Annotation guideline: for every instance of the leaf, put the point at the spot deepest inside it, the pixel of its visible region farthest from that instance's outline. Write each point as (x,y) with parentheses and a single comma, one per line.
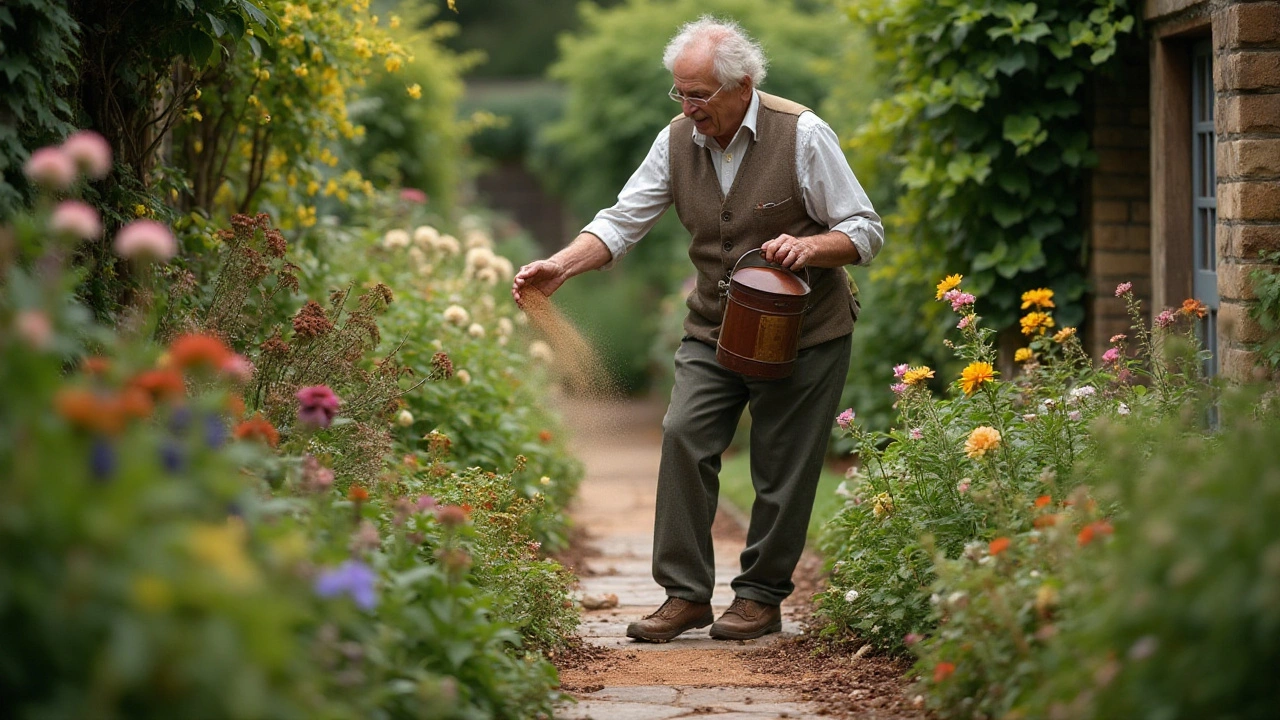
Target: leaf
(215,22)
(1007,215)
(989,259)
(200,47)
(1021,130)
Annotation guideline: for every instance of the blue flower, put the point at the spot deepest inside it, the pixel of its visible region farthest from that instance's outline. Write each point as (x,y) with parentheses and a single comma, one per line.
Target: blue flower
(171,457)
(215,433)
(180,420)
(352,578)
(102,459)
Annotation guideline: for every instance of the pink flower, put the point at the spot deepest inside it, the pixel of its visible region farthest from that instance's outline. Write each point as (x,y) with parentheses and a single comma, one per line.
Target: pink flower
(916,433)
(900,370)
(76,219)
(962,486)
(964,322)
(317,405)
(960,299)
(146,240)
(90,152)
(1074,416)
(238,368)
(1118,337)
(898,388)
(1110,356)
(50,167)
(1124,287)
(845,419)
(1165,318)
(912,638)
(34,327)
(413,195)
(425,502)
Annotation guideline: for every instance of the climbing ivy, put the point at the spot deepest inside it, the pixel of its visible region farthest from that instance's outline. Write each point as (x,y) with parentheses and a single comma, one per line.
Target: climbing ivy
(985,115)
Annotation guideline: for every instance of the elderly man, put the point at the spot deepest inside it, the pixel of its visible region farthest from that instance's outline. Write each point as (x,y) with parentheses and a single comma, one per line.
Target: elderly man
(745,170)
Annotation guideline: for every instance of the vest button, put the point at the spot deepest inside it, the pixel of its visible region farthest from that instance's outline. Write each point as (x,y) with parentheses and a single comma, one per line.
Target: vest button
(726,216)
(728,245)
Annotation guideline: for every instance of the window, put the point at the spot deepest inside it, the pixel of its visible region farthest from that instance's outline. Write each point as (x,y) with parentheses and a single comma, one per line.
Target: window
(1204,200)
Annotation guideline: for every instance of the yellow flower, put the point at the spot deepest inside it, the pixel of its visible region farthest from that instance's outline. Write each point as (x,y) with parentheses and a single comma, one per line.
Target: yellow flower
(1036,323)
(948,283)
(975,375)
(393,22)
(300,70)
(140,210)
(151,593)
(393,64)
(415,91)
(882,504)
(263,74)
(917,375)
(1023,355)
(194,114)
(982,440)
(221,547)
(1064,334)
(1040,297)
(313,187)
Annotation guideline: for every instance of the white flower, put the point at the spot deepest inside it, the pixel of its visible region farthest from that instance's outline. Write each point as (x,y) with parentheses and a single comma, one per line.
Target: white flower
(1074,416)
(404,419)
(395,239)
(417,256)
(504,268)
(851,596)
(476,330)
(1123,409)
(1029,417)
(457,315)
(1049,403)
(463,376)
(539,350)
(448,245)
(425,236)
(488,276)
(1083,391)
(475,239)
(544,480)
(505,326)
(478,258)
(843,489)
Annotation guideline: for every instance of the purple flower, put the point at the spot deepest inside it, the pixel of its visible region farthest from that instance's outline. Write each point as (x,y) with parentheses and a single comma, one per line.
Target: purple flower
(317,405)
(1165,318)
(171,457)
(215,433)
(845,419)
(352,578)
(900,370)
(102,459)
(1123,288)
(425,502)
(1110,356)
(1074,416)
(898,388)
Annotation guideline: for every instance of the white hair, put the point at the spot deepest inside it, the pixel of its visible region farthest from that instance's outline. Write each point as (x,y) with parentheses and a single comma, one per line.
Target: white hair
(736,55)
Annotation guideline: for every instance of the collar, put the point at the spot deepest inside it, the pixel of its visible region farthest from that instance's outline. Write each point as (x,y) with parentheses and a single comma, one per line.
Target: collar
(748,123)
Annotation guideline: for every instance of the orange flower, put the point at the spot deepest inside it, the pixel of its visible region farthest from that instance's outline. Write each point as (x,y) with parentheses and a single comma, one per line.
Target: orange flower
(136,402)
(1092,530)
(160,384)
(1035,323)
(189,351)
(90,411)
(942,671)
(1043,500)
(235,406)
(357,493)
(917,375)
(999,545)
(1191,306)
(975,375)
(1044,521)
(950,282)
(1041,298)
(95,365)
(257,428)
(545,436)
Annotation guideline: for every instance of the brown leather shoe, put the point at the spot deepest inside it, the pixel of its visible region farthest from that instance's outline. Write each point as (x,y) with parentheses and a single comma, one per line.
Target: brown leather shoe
(674,617)
(747,619)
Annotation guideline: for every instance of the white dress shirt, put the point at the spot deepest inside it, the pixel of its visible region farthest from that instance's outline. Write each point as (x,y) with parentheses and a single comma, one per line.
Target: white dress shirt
(832,195)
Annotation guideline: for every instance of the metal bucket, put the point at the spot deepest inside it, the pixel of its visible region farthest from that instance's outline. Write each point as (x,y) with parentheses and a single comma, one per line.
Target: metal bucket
(764,311)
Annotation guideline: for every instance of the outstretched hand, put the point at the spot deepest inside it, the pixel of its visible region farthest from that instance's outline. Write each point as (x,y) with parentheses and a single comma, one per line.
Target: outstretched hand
(544,276)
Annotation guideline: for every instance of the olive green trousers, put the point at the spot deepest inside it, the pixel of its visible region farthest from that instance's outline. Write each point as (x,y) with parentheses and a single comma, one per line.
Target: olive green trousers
(791,422)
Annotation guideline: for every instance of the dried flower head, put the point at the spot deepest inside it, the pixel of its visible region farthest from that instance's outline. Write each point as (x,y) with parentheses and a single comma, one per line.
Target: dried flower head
(442,364)
(311,321)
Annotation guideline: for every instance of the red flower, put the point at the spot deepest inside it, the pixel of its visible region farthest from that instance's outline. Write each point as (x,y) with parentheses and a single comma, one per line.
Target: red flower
(257,428)
(942,671)
(545,436)
(160,384)
(358,493)
(95,365)
(1092,530)
(999,545)
(86,409)
(1043,500)
(1045,521)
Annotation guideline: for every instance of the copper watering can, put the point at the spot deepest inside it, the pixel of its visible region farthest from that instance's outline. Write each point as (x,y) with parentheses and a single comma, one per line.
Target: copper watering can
(765,308)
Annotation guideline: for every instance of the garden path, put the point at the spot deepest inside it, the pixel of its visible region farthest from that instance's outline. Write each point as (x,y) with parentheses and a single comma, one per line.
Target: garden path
(693,675)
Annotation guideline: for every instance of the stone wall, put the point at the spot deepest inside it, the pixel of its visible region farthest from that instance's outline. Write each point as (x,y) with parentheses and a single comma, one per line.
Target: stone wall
(1247,82)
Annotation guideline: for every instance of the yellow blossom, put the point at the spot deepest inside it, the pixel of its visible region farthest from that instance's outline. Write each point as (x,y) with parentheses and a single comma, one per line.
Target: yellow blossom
(331,187)
(1036,323)
(982,440)
(221,547)
(313,187)
(1023,355)
(917,375)
(316,54)
(198,146)
(252,100)
(140,210)
(393,64)
(263,74)
(306,215)
(948,283)
(151,593)
(415,91)
(975,375)
(1040,297)
(300,70)
(882,504)
(362,48)
(194,114)
(393,22)
(1064,334)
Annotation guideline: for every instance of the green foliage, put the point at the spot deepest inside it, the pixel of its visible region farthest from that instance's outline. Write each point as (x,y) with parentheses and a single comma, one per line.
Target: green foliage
(519,111)
(985,121)
(518,38)
(38,52)
(1266,286)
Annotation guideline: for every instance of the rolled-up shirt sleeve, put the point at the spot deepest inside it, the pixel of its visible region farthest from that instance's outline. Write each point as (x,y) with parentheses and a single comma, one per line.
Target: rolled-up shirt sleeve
(832,194)
(643,200)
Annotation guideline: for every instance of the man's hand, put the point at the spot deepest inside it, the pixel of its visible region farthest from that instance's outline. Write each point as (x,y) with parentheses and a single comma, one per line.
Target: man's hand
(545,276)
(790,252)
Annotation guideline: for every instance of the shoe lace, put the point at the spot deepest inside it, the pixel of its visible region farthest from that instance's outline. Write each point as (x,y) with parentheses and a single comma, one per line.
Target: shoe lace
(672,606)
(741,607)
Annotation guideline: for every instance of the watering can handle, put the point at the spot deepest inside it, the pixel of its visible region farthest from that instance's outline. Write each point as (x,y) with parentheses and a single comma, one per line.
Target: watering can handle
(764,263)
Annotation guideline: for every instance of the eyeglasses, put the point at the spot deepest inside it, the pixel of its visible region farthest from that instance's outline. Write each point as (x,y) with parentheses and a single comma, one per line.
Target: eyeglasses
(697,102)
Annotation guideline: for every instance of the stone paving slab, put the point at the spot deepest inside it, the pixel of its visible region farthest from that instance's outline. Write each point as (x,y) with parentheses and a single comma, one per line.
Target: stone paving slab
(660,702)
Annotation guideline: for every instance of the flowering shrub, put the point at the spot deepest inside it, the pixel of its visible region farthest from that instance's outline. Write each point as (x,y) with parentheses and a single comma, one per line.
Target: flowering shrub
(962,470)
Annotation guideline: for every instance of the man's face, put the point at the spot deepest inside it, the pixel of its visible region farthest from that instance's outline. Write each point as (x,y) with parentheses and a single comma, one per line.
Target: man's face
(721,117)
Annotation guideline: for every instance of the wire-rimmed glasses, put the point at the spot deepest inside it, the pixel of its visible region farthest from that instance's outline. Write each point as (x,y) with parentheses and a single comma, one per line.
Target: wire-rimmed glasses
(697,102)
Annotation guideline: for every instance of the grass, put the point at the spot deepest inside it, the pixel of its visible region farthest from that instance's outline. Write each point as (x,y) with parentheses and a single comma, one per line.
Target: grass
(735,487)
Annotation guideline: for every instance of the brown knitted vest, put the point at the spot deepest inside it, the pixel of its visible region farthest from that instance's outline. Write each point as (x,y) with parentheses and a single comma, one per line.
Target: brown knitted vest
(764,202)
